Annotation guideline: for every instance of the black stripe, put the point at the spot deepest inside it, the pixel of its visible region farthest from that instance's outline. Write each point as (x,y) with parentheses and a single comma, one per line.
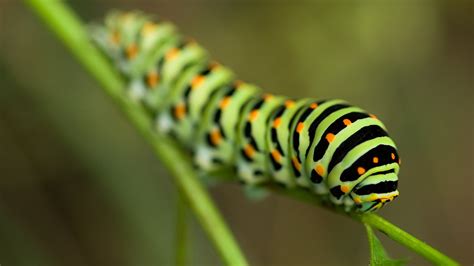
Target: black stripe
(314,125)
(382,152)
(334,128)
(379,188)
(276,165)
(336,192)
(363,135)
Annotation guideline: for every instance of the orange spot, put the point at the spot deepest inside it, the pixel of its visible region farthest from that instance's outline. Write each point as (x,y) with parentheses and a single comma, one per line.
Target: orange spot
(132,51)
(346,122)
(375,159)
(319,169)
(197,80)
(172,53)
(276,122)
(357,200)
(238,83)
(289,103)
(313,105)
(373,116)
(360,170)
(115,37)
(345,188)
(180,111)
(276,155)
(249,150)
(330,137)
(296,164)
(224,102)
(148,28)
(399,161)
(253,115)
(300,127)
(213,65)
(267,96)
(216,136)
(152,79)
(392,155)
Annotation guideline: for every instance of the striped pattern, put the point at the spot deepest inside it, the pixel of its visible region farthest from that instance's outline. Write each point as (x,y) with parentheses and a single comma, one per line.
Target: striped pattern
(335,150)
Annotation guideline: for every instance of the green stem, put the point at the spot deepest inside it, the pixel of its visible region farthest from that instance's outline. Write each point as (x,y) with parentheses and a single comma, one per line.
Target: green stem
(406,239)
(379,223)
(181,230)
(69,29)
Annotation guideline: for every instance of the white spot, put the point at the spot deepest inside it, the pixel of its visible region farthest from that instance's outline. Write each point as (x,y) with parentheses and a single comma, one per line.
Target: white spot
(164,123)
(203,158)
(136,90)
(245,172)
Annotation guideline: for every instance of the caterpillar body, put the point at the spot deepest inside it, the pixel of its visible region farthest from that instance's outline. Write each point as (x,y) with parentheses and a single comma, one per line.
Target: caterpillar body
(338,151)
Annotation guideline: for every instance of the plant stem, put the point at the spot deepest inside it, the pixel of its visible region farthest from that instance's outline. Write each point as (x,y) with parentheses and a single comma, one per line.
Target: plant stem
(68,28)
(379,223)
(181,230)
(405,239)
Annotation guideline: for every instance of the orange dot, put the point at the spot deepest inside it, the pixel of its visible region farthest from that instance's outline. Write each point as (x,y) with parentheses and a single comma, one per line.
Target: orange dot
(373,116)
(172,53)
(238,83)
(267,96)
(296,164)
(289,103)
(345,188)
(276,155)
(300,127)
(330,137)
(213,65)
(216,136)
(249,150)
(197,81)
(346,122)
(152,79)
(253,115)
(393,156)
(115,37)
(224,102)
(180,111)
(148,28)
(132,51)
(276,122)
(319,169)
(375,159)
(313,105)
(360,170)
(357,200)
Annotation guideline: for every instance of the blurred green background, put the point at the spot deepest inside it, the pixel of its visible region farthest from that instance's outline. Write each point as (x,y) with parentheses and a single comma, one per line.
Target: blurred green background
(79,186)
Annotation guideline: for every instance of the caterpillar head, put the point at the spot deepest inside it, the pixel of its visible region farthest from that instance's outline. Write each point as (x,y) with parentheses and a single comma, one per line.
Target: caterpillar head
(376,190)
(364,168)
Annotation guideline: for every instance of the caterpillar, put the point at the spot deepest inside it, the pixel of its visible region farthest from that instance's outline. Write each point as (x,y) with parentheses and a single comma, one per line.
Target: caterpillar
(337,151)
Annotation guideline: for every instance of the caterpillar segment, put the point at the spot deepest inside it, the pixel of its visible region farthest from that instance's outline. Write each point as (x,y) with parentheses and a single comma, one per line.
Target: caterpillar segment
(339,152)
(278,136)
(252,162)
(217,137)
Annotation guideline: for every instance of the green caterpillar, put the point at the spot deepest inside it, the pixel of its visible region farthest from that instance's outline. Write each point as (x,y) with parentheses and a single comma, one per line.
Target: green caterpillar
(338,151)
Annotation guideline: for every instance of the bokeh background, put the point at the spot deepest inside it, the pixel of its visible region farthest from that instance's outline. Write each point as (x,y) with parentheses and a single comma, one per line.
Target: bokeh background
(79,186)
